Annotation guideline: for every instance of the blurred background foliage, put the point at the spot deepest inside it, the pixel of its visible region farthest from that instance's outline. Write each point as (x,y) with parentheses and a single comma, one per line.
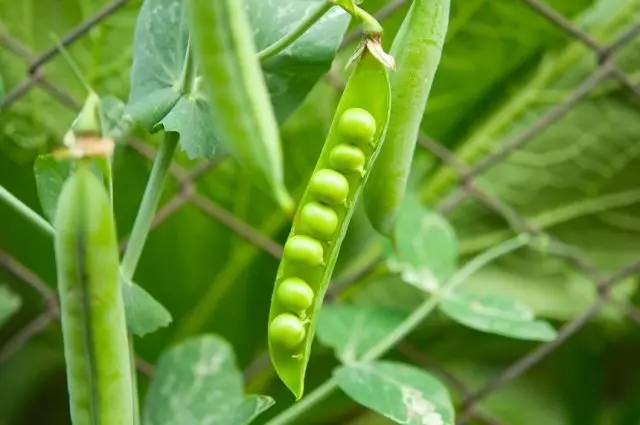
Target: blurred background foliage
(503,66)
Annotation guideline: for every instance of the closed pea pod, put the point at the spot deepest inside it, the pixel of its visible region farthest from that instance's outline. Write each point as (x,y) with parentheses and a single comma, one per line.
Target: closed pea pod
(237,91)
(417,49)
(91,304)
(331,191)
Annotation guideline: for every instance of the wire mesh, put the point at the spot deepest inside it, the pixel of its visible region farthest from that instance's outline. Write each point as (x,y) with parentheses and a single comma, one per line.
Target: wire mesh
(467,188)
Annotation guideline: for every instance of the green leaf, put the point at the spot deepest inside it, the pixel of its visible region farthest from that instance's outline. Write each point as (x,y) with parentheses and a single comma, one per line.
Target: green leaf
(405,394)
(198,383)
(150,109)
(251,408)
(496,314)
(111,110)
(144,314)
(50,175)
(164,90)
(549,288)
(352,330)
(9,304)
(158,99)
(426,248)
(292,74)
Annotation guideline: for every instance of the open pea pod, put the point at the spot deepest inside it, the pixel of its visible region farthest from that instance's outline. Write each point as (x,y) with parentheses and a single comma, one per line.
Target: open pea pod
(94,329)
(311,251)
(417,49)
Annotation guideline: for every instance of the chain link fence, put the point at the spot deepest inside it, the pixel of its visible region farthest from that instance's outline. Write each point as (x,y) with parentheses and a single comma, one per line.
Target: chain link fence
(466,189)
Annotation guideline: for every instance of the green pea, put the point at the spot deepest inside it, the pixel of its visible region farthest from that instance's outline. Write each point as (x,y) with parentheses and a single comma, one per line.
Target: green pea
(367,88)
(357,125)
(321,221)
(347,158)
(417,49)
(304,250)
(96,347)
(287,331)
(237,92)
(295,294)
(329,186)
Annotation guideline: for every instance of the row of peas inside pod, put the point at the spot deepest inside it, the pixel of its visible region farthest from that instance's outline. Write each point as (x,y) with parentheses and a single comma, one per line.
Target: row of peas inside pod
(317,224)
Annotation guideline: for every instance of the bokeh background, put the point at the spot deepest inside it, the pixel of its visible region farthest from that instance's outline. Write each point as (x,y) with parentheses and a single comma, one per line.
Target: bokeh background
(532,127)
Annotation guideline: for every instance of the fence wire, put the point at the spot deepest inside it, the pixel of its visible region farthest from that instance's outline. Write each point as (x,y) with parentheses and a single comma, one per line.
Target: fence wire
(467,188)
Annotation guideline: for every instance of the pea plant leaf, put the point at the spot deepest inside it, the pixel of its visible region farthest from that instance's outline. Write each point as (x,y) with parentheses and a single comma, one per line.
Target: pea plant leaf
(50,175)
(111,122)
(405,394)
(426,249)
(163,95)
(198,383)
(551,290)
(9,303)
(251,408)
(497,314)
(144,314)
(352,330)
(292,74)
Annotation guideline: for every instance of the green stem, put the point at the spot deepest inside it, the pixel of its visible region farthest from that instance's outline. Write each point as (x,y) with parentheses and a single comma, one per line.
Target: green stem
(140,232)
(289,38)
(26,212)
(407,326)
(149,204)
(188,69)
(372,27)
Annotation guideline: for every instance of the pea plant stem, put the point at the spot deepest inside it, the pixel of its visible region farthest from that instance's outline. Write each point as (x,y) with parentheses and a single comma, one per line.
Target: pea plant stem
(140,232)
(188,69)
(148,206)
(35,218)
(371,26)
(295,412)
(297,32)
